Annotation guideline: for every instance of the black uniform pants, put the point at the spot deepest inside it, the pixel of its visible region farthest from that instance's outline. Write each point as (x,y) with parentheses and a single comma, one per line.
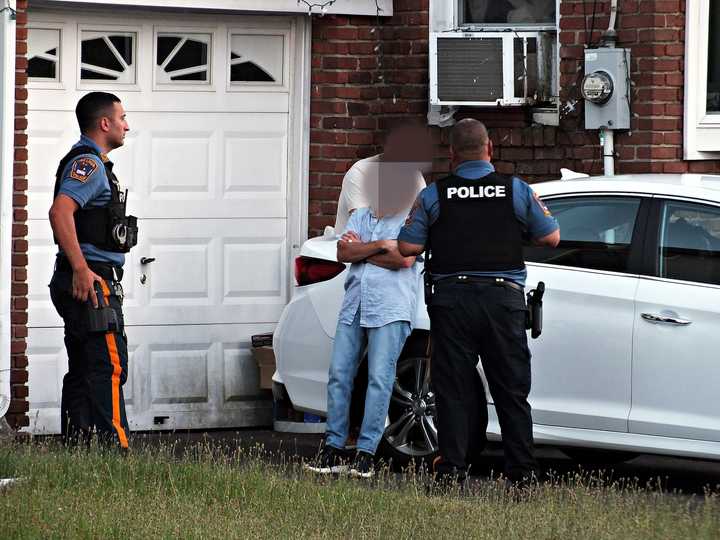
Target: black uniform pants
(92,395)
(485,319)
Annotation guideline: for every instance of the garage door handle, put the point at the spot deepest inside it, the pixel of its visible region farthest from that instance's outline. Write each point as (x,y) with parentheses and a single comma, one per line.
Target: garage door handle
(650,317)
(147,260)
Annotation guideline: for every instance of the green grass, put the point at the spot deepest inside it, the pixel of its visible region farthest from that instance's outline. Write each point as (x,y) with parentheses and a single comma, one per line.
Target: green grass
(220,494)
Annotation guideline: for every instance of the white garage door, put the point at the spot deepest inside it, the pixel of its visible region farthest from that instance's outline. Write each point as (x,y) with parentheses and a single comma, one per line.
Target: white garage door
(212,105)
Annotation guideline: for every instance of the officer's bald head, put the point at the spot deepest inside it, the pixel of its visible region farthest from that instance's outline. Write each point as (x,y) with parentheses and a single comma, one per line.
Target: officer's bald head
(469,140)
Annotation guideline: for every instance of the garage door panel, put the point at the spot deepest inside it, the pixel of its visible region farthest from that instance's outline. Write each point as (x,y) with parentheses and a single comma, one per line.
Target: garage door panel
(182,163)
(252,270)
(205,272)
(186,373)
(206,163)
(179,165)
(179,374)
(251,163)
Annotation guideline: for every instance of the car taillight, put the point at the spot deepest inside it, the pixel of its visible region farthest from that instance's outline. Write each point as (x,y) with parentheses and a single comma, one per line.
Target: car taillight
(309,270)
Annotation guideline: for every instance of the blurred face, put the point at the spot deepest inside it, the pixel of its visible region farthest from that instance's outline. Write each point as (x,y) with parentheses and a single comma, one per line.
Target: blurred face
(114,127)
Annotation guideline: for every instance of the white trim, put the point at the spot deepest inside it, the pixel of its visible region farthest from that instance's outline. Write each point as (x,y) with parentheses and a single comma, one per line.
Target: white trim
(299,170)
(340,7)
(702,131)
(7,150)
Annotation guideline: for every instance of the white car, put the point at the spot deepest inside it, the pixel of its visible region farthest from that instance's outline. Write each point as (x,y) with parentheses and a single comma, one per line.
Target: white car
(629,358)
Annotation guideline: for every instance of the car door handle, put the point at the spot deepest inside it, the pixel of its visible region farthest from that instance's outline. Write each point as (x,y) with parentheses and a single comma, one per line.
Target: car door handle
(147,260)
(651,317)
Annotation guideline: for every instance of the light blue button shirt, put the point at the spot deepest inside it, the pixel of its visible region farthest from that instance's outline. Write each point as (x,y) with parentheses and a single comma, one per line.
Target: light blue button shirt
(382,296)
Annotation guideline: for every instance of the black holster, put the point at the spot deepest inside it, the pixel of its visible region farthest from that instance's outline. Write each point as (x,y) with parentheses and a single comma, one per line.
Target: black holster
(534,320)
(102,319)
(428,286)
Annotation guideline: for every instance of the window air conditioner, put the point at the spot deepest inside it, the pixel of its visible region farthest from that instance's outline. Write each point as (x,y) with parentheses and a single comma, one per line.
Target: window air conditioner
(492,68)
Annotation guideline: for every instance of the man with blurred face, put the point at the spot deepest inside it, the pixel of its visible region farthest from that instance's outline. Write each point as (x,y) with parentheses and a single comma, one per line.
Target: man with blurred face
(377,314)
(408,145)
(93,233)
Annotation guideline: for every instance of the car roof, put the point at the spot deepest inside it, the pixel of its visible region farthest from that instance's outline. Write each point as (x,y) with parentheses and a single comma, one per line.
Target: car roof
(696,186)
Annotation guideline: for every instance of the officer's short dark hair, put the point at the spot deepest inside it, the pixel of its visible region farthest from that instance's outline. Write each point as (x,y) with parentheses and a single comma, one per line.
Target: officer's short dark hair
(468,135)
(92,107)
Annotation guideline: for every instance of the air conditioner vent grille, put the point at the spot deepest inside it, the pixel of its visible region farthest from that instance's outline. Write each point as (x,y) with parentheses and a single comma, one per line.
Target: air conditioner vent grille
(470,69)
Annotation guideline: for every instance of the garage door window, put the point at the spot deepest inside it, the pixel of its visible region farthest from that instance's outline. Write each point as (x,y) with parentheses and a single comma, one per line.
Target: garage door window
(43,54)
(690,243)
(596,233)
(256,59)
(183,58)
(108,56)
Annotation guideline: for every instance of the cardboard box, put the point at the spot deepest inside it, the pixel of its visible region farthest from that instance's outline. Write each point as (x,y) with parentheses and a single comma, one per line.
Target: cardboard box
(265,359)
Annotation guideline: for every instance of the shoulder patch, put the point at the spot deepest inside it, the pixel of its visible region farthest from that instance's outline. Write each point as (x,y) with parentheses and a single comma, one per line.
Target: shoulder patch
(82,168)
(542,205)
(411,214)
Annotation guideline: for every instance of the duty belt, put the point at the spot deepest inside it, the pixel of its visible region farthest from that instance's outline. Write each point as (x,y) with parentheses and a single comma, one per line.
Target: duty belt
(106,271)
(501,282)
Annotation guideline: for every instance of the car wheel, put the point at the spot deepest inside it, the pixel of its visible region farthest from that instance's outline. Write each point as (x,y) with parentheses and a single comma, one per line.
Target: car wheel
(411,432)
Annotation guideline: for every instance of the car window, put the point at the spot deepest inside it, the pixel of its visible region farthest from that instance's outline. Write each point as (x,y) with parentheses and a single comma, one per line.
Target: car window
(595,233)
(689,242)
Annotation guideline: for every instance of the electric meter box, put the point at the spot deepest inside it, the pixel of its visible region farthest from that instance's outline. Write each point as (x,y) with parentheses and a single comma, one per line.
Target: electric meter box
(607,70)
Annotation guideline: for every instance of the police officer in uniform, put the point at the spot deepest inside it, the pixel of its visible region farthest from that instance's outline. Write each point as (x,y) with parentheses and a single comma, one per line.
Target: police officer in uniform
(472,224)
(90,225)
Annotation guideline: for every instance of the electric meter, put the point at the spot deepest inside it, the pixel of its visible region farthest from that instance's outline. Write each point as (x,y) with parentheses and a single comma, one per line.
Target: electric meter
(597,87)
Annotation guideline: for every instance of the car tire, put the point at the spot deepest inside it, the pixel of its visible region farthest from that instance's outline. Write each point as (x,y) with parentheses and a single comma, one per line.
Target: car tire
(411,433)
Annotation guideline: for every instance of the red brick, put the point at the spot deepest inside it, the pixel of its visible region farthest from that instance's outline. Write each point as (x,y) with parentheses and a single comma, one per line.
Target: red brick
(660,6)
(658,35)
(644,20)
(18,377)
(675,167)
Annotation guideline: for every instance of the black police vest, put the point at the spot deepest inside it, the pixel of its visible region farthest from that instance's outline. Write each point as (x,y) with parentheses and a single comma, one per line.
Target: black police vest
(477,230)
(106,227)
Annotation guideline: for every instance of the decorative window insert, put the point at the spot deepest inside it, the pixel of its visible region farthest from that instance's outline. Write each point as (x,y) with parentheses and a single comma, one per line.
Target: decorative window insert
(182,58)
(256,59)
(108,56)
(702,80)
(43,54)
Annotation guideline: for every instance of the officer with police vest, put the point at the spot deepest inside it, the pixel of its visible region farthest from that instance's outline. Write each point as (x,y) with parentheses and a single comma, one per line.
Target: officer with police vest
(472,224)
(90,225)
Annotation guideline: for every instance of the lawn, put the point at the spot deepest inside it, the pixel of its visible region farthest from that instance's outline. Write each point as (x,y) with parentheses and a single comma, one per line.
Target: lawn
(211,493)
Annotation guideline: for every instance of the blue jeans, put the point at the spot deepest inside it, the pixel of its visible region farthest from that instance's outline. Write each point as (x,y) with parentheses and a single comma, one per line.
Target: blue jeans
(385,344)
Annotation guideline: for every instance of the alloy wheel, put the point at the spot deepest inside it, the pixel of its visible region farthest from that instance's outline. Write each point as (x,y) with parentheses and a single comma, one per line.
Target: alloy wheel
(411,426)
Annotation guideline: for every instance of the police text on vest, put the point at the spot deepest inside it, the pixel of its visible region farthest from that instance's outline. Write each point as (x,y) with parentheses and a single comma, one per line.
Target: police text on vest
(475,192)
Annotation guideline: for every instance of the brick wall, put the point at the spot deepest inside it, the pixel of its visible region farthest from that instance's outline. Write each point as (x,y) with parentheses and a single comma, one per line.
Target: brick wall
(352,107)
(17,415)
(654,31)
(354,99)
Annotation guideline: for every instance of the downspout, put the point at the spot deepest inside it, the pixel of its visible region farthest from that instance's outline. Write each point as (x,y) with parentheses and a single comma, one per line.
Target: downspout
(607,136)
(7,145)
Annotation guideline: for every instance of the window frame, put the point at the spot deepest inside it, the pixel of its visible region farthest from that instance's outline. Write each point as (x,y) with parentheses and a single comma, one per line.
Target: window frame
(637,246)
(59,83)
(701,130)
(499,27)
(651,253)
(99,84)
(213,57)
(259,86)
